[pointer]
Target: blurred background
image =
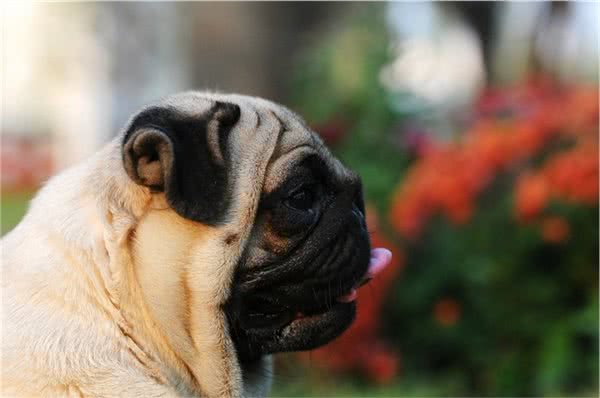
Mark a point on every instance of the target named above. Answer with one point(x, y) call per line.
point(473, 124)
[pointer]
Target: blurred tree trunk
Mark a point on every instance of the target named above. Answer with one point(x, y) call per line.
point(251, 47)
point(539, 55)
point(479, 15)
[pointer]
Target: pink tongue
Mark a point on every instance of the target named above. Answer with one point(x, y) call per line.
point(380, 258)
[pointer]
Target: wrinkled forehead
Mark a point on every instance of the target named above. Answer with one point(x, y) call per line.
point(295, 142)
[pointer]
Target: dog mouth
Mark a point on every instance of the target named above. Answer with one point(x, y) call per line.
point(269, 322)
point(380, 258)
point(287, 319)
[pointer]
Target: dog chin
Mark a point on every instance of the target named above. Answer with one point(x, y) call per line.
point(291, 330)
point(306, 332)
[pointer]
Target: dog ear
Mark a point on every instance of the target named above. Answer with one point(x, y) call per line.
point(184, 156)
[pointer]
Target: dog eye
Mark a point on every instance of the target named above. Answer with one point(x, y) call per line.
point(301, 199)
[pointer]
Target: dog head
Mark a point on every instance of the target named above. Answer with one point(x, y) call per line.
point(281, 220)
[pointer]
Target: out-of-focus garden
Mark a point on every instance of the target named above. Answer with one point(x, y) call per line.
point(474, 127)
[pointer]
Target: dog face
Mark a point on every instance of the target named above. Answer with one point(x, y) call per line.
point(309, 247)
point(291, 215)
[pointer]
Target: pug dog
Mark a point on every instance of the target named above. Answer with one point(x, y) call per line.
point(212, 232)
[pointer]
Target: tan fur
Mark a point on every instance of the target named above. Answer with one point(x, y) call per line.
point(108, 292)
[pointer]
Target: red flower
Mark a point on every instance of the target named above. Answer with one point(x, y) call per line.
point(531, 196)
point(573, 174)
point(381, 366)
point(447, 312)
point(514, 125)
point(332, 131)
point(555, 229)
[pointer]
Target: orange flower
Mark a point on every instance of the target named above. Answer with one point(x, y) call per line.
point(532, 194)
point(447, 312)
point(448, 178)
point(492, 146)
point(573, 175)
point(381, 365)
point(407, 216)
point(555, 229)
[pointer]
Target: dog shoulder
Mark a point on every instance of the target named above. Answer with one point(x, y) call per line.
point(55, 329)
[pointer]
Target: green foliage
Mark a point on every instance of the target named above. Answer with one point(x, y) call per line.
point(310, 382)
point(339, 80)
point(529, 313)
point(12, 208)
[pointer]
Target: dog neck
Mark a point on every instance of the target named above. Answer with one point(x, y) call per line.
point(172, 259)
point(168, 296)
point(151, 272)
